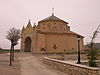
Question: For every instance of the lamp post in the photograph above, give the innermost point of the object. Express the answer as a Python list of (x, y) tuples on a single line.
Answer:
[(78, 40)]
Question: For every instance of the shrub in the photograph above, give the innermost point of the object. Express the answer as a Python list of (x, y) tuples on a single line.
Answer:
[(0, 50), (92, 56)]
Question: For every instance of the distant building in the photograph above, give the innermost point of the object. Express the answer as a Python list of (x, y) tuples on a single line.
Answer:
[(51, 35)]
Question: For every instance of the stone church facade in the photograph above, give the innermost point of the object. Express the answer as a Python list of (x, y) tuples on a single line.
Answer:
[(51, 35)]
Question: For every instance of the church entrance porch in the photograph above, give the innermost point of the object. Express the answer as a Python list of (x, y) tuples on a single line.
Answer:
[(28, 44)]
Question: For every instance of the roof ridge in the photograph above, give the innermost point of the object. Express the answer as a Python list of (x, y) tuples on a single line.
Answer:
[(52, 17)]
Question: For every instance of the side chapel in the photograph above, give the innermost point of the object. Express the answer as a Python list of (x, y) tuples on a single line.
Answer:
[(51, 35)]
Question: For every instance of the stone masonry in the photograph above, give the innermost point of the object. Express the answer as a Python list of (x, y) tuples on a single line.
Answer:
[(71, 68)]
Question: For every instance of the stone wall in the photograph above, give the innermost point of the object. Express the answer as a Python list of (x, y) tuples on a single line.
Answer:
[(71, 68)]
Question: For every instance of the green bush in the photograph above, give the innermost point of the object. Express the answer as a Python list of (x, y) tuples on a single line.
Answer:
[(0, 50), (92, 64), (92, 56)]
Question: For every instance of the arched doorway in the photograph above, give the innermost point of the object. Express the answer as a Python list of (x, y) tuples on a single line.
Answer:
[(28, 44)]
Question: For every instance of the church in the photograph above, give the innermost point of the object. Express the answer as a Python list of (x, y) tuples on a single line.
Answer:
[(50, 35)]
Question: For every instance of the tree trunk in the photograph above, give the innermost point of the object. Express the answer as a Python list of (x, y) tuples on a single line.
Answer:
[(11, 55)]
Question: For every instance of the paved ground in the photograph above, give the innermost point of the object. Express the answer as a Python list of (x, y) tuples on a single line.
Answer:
[(5, 69), (31, 66), (27, 64)]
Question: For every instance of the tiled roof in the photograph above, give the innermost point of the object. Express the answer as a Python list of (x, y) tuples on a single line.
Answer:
[(52, 17)]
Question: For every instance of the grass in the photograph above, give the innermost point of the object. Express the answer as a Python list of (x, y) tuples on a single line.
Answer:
[(7, 50)]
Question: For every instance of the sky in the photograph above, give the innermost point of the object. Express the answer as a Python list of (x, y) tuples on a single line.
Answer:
[(83, 16)]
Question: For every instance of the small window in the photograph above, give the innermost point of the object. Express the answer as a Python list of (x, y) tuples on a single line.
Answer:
[(43, 24)]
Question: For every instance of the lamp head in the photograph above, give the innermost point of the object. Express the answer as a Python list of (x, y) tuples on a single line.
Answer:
[(78, 37)]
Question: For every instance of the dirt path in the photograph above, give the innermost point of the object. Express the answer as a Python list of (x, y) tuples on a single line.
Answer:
[(31, 66)]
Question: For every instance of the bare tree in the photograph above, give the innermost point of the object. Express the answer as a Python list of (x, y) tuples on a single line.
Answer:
[(13, 36), (92, 53), (94, 36)]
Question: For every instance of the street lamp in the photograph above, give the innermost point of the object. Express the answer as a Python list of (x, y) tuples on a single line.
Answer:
[(78, 40)]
